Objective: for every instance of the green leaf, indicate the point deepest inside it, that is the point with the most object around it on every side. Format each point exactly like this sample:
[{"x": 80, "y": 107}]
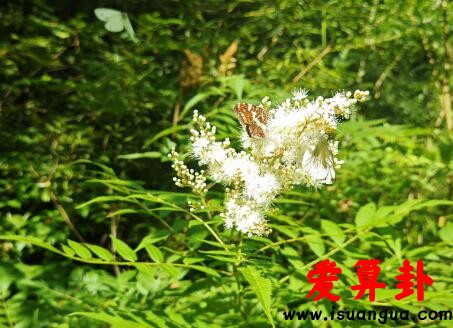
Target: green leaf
[
  {"x": 219, "y": 252},
  {"x": 262, "y": 288},
  {"x": 153, "y": 238},
  {"x": 154, "y": 253},
  {"x": 316, "y": 244},
  {"x": 114, "y": 321},
  {"x": 149, "y": 154},
  {"x": 238, "y": 86},
  {"x": 79, "y": 249},
  {"x": 170, "y": 269},
  {"x": 365, "y": 215},
  {"x": 409, "y": 206},
  {"x": 102, "y": 199},
  {"x": 192, "y": 260},
  {"x": 213, "y": 243},
  {"x": 146, "y": 269},
  {"x": 159, "y": 322},
  {"x": 204, "y": 269},
  {"x": 237, "y": 83},
  {"x": 333, "y": 231},
  {"x": 164, "y": 133},
  {"x": 289, "y": 231},
  {"x": 124, "y": 250},
  {"x": 101, "y": 252},
  {"x": 446, "y": 233},
  {"x": 68, "y": 250},
  {"x": 32, "y": 240},
  {"x": 223, "y": 258},
  {"x": 293, "y": 256},
  {"x": 389, "y": 215},
  {"x": 197, "y": 99}
]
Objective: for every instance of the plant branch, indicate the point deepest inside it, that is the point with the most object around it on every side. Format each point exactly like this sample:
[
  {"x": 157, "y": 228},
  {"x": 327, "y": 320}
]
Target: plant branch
[
  {"x": 65, "y": 215},
  {"x": 315, "y": 62}
]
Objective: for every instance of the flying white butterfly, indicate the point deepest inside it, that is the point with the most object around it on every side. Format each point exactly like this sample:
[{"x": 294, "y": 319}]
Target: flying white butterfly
[
  {"x": 319, "y": 162},
  {"x": 115, "y": 21}
]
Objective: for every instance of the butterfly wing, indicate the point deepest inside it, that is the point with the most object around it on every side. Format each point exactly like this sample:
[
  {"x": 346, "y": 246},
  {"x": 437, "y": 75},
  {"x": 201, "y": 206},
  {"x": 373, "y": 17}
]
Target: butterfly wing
[
  {"x": 128, "y": 27},
  {"x": 319, "y": 163},
  {"x": 261, "y": 114},
  {"x": 255, "y": 131},
  {"x": 104, "y": 14},
  {"x": 113, "y": 19},
  {"x": 253, "y": 118},
  {"x": 115, "y": 24},
  {"x": 243, "y": 112}
]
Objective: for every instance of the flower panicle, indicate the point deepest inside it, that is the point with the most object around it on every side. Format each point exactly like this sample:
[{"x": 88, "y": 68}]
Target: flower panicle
[
  {"x": 298, "y": 148},
  {"x": 186, "y": 177}
]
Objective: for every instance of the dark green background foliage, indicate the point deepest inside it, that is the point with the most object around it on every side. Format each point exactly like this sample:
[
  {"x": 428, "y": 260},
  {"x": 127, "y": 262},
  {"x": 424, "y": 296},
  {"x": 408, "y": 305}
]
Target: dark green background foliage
[{"x": 88, "y": 116}]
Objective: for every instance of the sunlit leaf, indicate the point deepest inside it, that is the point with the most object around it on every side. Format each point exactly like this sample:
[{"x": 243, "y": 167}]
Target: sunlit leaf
[
  {"x": 101, "y": 252},
  {"x": 123, "y": 249},
  {"x": 79, "y": 249},
  {"x": 262, "y": 287}
]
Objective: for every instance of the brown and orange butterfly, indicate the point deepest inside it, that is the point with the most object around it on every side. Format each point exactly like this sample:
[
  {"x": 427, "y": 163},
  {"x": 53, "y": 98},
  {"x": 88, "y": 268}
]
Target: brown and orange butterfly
[{"x": 253, "y": 118}]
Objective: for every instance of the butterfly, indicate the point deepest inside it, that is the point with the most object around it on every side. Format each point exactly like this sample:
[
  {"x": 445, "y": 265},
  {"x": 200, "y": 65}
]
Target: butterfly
[
  {"x": 115, "y": 21},
  {"x": 253, "y": 118},
  {"x": 319, "y": 162}
]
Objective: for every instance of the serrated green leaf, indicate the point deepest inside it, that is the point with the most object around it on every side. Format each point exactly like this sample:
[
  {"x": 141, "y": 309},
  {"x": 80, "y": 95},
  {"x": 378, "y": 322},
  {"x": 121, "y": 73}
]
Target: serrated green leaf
[
  {"x": 170, "y": 269},
  {"x": 147, "y": 270},
  {"x": 446, "y": 233},
  {"x": 293, "y": 256},
  {"x": 204, "y": 269},
  {"x": 365, "y": 215},
  {"x": 316, "y": 244},
  {"x": 79, "y": 249},
  {"x": 101, "y": 252},
  {"x": 124, "y": 250},
  {"x": 424, "y": 203},
  {"x": 262, "y": 288},
  {"x": 390, "y": 215},
  {"x": 114, "y": 321},
  {"x": 159, "y": 322},
  {"x": 223, "y": 258},
  {"x": 192, "y": 260},
  {"x": 31, "y": 240},
  {"x": 333, "y": 231},
  {"x": 152, "y": 238},
  {"x": 289, "y": 231},
  {"x": 154, "y": 253},
  {"x": 68, "y": 250},
  {"x": 214, "y": 243}
]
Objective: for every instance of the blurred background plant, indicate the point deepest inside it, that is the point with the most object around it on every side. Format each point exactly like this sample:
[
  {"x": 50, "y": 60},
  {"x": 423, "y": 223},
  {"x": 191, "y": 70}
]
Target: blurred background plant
[{"x": 88, "y": 117}]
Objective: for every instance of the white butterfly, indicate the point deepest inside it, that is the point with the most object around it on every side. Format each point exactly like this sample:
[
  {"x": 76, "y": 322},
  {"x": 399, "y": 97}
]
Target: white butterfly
[
  {"x": 319, "y": 162},
  {"x": 115, "y": 21}
]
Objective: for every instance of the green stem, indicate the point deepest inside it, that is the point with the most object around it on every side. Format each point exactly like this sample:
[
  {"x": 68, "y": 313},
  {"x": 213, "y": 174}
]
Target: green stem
[
  {"x": 98, "y": 261},
  {"x": 208, "y": 227}
]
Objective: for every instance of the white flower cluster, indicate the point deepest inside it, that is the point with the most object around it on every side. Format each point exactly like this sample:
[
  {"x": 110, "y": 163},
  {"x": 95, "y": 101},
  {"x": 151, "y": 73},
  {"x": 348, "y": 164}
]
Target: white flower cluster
[{"x": 297, "y": 148}]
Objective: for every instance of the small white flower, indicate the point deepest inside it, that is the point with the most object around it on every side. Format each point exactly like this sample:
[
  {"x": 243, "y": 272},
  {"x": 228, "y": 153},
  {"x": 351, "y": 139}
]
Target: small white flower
[
  {"x": 231, "y": 167},
  {"x": 218, "y": 154},
  {"x": 300, "y": 94},
  {"x": 261, "y": 189}
]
